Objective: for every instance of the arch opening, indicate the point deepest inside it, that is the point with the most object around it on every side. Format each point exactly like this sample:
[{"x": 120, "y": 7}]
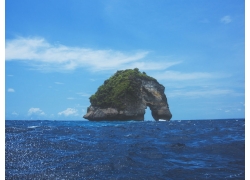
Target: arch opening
[{"x": 148, "y": 115}]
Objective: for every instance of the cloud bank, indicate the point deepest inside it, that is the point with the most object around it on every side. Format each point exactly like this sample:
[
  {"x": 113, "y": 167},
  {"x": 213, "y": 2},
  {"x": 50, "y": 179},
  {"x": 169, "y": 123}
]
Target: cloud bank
[{"x": 42, "y": 55}]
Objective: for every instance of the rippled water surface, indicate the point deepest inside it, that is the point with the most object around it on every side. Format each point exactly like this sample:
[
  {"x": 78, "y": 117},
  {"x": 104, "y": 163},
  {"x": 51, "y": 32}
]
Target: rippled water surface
[{"x": 196, "y": 149}]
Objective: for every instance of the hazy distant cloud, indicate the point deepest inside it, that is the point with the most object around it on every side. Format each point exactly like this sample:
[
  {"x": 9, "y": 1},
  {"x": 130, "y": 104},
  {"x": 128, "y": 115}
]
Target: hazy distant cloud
[
  {"x": 179, "y": 76},
  {"x": 151, "y": 65},
  {"x": 200, "y": 93},
  {"x": 11, "y": 90},
  {"x": 59, "y": 83},
  {"x": 231, "y": 107},
  {"x": 226, "y": 19},
  {"x": 83, "y": 94},
  {"x": 69, "y": 111},
  {"x": 14, "y": 113},
  {"x": 44, "y": 56},
  {"x": 36, "y": 111},
  {"x": 205, "y": 21},
  {"x": 70, "y": 98}
]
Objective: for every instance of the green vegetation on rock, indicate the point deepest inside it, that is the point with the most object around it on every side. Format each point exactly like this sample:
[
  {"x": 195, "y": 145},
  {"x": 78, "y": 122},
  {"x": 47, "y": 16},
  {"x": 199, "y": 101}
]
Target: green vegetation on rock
[{"x": 122, "y": 87}]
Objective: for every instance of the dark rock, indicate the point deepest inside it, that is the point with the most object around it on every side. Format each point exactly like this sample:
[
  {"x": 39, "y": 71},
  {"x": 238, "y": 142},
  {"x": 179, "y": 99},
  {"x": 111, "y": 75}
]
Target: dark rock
[{"x": 126, "y": 95}]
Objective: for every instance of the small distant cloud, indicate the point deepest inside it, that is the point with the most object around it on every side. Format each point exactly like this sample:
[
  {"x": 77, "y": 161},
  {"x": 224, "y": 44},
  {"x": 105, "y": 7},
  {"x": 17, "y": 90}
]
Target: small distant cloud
[
  {"x": 70, "y": 98},
  {"x": 14, "y": 113},
  {"x": 59, "y": 83},
  {"x": 227, "y": 111},
  {"x": 36, "y": 111},
  {"x": 226, "y": 19},
  {"x": 68, "y": 111},
  {"x": 11, "y": 90},
  {"x": 10, "y": 75}
]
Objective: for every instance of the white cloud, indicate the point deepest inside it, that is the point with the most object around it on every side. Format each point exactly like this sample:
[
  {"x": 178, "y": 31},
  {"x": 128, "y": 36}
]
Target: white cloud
[
  {"x": 68, "y": 111},
  {"x": 36, "y": 111},
  {"x": 44, "y": 56},
  {"x": 11, "y": 90},
  {"x": 226, "y": 19}
]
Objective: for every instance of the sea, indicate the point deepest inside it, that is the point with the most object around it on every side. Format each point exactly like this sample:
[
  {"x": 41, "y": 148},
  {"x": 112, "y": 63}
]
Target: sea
[{"x": 131, "y": 150}]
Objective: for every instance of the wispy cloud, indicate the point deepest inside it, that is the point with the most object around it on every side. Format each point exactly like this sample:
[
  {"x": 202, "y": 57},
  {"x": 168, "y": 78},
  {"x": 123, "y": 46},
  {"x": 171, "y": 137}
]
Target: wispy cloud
[
  {"x": 11, "y": 90},
  {"x": 234, "y": 107},
  {"x": 201, "y": 93},
  {"x": 226, "y": 19},
  {"x": 68, "y": 112},
  {"x": 36, "y": 111},
  {"x": 180, "y": 76},
  {"x": 44, "y": 56},
  {"x": 151, "y": 65},
  {"x": 83, "y": 94}
]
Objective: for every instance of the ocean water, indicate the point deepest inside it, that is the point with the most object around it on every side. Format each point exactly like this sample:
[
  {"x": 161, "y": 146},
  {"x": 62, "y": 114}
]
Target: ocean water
[{"x": 195, "y": 149}]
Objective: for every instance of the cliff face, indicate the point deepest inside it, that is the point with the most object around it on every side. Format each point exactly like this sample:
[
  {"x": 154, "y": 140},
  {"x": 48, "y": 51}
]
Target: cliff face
[{"x": 126, "y": 95}]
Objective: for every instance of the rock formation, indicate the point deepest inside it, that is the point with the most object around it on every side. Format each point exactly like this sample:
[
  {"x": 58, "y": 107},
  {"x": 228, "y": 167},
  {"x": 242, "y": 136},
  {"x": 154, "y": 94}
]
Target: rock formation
[{"x": 126, "y": 95}]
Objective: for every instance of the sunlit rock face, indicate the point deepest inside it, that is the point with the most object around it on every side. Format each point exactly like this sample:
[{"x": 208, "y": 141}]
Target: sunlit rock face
[{"x": 126, "y": 95}]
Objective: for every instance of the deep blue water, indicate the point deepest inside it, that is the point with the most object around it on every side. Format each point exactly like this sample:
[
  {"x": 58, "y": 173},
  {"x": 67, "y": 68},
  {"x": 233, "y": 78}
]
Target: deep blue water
[{"x": 195, "y": 149}]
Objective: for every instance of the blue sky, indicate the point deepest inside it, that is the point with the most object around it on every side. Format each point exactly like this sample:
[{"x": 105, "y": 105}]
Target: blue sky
[{"x": 57, "y": 53}]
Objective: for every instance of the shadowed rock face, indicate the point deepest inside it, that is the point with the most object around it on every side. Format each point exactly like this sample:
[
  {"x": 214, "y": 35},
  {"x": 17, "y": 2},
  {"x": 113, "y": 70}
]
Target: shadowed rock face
[
  {"x": 144, "y": 92},
  {"x": 153, "y": 96}
]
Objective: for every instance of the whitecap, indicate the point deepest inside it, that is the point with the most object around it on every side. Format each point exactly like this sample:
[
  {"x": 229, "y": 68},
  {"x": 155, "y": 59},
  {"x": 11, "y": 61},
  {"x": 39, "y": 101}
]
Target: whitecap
[
  {"x": 128, "y": 135},
  {"x": 32, "y": 126}
]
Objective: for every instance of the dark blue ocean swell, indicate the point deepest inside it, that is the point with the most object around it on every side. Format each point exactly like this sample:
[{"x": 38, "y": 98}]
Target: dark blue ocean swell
[{"x": 196, "y": 149}]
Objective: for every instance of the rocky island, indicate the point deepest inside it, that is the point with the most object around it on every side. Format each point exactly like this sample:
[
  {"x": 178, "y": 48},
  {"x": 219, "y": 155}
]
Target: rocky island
[{"x": 126, "y": 95}]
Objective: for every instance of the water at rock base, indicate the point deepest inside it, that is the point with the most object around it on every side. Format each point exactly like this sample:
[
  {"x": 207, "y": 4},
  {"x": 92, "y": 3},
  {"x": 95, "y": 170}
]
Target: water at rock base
[{"x": 185, "y": 149}]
